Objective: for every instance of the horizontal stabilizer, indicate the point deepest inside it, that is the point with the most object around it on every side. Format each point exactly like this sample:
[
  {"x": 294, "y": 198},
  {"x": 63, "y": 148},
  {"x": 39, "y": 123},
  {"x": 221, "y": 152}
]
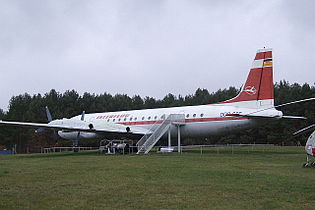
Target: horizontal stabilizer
[
  {"x": 266, "y": 116},
  {"x": 294, "y": 117},
  {"x": 257, "y": 113},
  {"x": 254, "y": 116}
]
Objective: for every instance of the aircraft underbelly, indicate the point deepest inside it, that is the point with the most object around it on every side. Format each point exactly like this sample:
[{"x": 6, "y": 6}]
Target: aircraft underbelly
[{"x": 205, "y": 129}]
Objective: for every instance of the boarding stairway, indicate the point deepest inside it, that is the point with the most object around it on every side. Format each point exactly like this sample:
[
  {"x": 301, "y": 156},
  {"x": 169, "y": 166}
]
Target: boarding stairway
[{"x": 148, "y": 141}]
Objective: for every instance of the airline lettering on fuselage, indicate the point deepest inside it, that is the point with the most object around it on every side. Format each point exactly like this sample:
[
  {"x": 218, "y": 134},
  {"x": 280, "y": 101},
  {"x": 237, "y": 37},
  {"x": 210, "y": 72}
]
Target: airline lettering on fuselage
[
  {"x": 223, "y": 114},
  {"x": 112, "y": 116}
]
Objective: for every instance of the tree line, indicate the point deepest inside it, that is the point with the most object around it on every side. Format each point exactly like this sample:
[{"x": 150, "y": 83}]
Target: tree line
[{"x": 26, "y": 107}]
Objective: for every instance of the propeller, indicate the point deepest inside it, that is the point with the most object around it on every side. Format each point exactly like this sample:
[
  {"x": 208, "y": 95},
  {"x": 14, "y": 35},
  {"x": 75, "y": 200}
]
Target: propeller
[{"x": 75, "y": 142}]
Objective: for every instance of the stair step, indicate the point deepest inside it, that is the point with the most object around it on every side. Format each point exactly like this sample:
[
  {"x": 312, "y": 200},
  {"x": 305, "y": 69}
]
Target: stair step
[{"x": 147, "y": 142}]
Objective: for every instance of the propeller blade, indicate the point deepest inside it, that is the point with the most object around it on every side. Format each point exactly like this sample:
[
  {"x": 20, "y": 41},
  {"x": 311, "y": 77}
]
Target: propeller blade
[
  {"x": 78, "y": 136},
  {"x": 75, "y": 143},
  {"x": 48, "y": 115},
  {"x": 55, "y": 136},
  {"x": 82, "y": 115},
  {"x": 49, "y": 119},
  {"x": 38, "y": 130}
]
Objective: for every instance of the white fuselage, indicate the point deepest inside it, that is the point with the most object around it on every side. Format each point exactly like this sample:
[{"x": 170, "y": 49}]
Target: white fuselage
[
  {"x": 255, "y": 101},
  {"x": 200, "y": 121}
]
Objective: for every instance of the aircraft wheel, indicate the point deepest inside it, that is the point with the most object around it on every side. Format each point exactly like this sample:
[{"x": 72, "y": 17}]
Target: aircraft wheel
[{"x": 313, "y": 164}]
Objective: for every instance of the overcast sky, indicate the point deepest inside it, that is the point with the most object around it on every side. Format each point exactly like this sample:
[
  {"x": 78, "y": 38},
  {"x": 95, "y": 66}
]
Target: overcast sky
[{"x": 149, "y": 48}]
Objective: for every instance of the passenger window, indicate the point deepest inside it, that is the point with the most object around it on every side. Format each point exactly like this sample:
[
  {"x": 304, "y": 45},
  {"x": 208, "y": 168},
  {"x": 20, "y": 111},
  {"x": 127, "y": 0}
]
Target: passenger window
[
  {"x": 130, "y": 119},
  {"x": 113, "y": 120},
  {"x": 155, "y": 117},
  {"x": 135, "y": 118},
  {"x": 149, "y": 118},
  {"x": 201, "y": 115},
  {"x": 194, "y": 115},
  {"x": 125, "y": 119},
  {"x": 142, "y": 118},
  {"x": 187, "y": 115}
]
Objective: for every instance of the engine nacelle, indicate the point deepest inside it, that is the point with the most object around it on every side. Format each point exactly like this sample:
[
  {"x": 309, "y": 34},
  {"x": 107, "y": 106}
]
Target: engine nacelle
[
  {"x": 73, "y": 135},
  {"x": 73, "y": 123}
]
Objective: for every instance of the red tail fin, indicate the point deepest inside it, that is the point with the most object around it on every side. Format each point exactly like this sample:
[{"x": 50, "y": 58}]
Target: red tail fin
[{"x": 259, "y": 83}]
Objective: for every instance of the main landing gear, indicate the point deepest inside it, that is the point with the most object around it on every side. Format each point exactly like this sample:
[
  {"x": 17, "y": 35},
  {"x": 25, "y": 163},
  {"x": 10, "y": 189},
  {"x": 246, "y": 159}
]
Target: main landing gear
[{"x": 310, "y": 161}]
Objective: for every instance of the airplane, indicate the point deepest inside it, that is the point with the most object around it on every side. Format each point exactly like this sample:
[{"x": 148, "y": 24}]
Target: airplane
[
  {"x": 252, "y": 106},
  {"x": 309, "y": 146}
]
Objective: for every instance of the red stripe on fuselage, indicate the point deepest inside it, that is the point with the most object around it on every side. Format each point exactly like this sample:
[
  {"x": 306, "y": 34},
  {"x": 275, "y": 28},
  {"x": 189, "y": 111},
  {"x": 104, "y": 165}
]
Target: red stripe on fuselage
[{"x": 212, "y": 119}]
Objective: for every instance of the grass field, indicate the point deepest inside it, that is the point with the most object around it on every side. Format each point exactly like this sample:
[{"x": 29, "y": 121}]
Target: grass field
[{"x": 250, "y": 178}]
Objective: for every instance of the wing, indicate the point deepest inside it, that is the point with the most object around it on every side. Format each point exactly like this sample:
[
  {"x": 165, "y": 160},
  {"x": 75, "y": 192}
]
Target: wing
[{"x": 105, "y": 128}]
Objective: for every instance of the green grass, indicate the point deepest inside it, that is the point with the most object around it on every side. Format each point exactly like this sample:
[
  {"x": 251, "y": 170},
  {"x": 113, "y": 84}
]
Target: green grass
[{"x": 250, "y": 178}]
